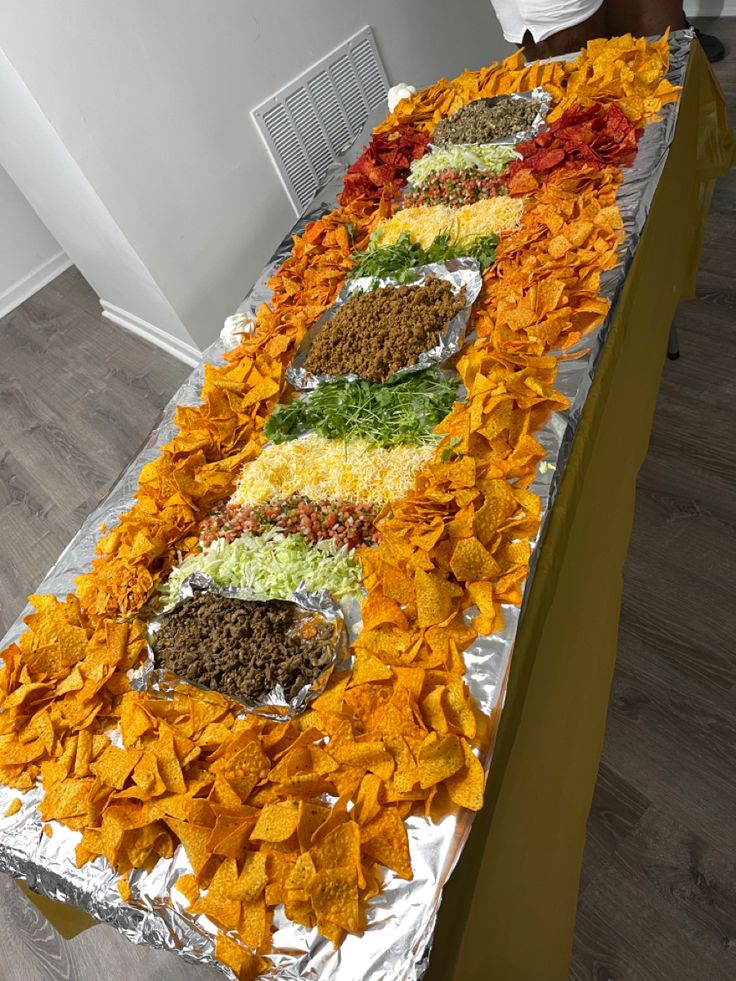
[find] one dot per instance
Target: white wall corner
(41, 165)
(33, 281)
(187, 353)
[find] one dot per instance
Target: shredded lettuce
(490, 157)
(271, 565)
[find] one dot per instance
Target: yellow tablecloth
(508, 911)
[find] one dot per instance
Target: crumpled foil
(396, 945)
(540, 95)
(460, 273)
(274, 704)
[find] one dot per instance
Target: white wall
(29, 255)
(58, 189)
(152, 100)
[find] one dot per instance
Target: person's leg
(564, 42)
(712, 45)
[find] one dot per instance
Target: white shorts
(542, 18)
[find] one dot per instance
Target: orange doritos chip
(334, 895)
(194, 840)
(115, 765)
(244, 965)
(277, 822)
(169, 767)
(66, 800)
(459, 710)
(218, 903)
(252, 879)
(384, 839)
(300, 879)
(340, 849)
(367, 667)
(465, 786)
(371, 755)
(134, 720)
(230, 833)
(367, 804)
(123, 887)
(187, 886)
(433, 710)
(83, 754)
(439, 758)
(14, 806)
(146, 776)
(311, 816)
(434, 597)
(471, 561)
(254, 924)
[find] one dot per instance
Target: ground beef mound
(376, 334)
(244, 648)
(481, 122)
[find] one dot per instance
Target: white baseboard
(33, 281)
(185, 352)
(710, 8)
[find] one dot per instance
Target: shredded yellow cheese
(489, 216)
(325, 468)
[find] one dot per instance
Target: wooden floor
(658, 893)
(78, 396)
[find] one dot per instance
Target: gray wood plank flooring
(658, 891)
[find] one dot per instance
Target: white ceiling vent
(308, 122)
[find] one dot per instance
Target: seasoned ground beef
(481, 122)
(244, 648)
(376, 334)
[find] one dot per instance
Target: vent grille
(308, 122)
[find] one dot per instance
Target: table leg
(673, 344)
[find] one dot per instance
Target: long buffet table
(508, 909)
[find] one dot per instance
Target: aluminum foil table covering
(401, 920)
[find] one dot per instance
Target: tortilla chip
(465, 786)
(384, 839)
(439, 758)
(244, 965)
(334, 894)
(14, 806)
(252, 879)
(277, 822)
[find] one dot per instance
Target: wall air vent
(308, 122)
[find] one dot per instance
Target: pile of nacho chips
(542, 292)
(591, 138)
(626, 71)
(308, 814)
(382, 168)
